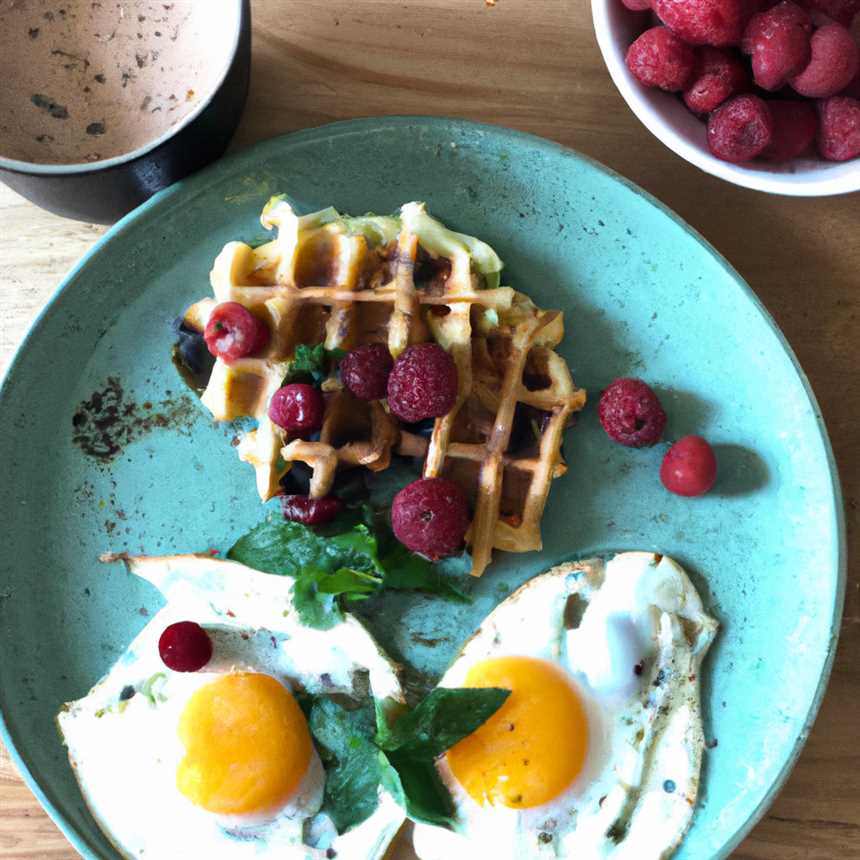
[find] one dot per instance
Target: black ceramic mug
(106, 104)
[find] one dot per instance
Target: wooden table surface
(534, 65)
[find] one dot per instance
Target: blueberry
(297, 481)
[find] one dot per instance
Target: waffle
(399, 280)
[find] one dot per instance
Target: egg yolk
(534, 746)
(247, 745)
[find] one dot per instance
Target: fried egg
(220, 763)
(597, 751)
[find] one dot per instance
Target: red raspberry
(833, 65)
(185, 647)
(704, 22)
(739, 129)
(234, 332)
(631, 413)
(430, 516)
(365, 370)
(658, 58)
(689, 467)
(719, 75)
(297, 407)
(795, 125)
(637, 5)
(778, 42)
(423, 383)
(309, 511)
(839, 137)
(841, 11)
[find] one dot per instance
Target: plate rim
(334, 129)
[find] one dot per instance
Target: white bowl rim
(655, 122)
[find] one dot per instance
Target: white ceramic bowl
(665, 116)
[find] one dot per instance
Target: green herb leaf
(404, 571)
(415, 784)
(445, 717)
(353, 763)
(312, 362)
(315, 608)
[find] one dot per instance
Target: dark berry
(234, 332)
(430, 516)
(689, 467)
(778, 42)
(719, 74)
(637, 5)
(311, 512)
(834, 63)
(704, 22)
(658, 58)
(839, 136)
(795, 125)
(422, 384)
(631, 413)
(365, 370)
(298, 408)
(842, 11)
(185, 646)
(740, 129)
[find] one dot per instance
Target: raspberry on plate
(631, 414)
(365, 370)
(719, 74)
(839, 136)
(658, 58)
(795, 125)
(233, 332)
(778, 42)
(740, 129)
(310, 511)
(833, 65)
(704, 22)
(430, 516)
(422, 383)
(689, 467)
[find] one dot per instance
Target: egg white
(631, 634)
(124, 750)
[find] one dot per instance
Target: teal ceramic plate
(642, 295)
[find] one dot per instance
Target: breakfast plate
(105, 448)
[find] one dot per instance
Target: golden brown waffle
(350, 281)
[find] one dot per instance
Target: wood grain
(534, 65)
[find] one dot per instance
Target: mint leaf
(445, 717)
(419, 789)
(404, 570)
(284, 547)
(353, 767)
(312, 363)
(315, 608)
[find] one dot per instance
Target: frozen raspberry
(422, 383)
(234, 332)
(778, 42)
(795, 125)
(631, 413)
(704, 22)
(309, 511)
(841, 11)
(365, 370)
(637, 5)
(658, 58)
(430, 516)
(719, 74)
(833, 65)
(739, 129)
(689, 467)
(185, 647)
(839, 137)
(297, 407)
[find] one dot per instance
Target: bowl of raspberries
(762, 93)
